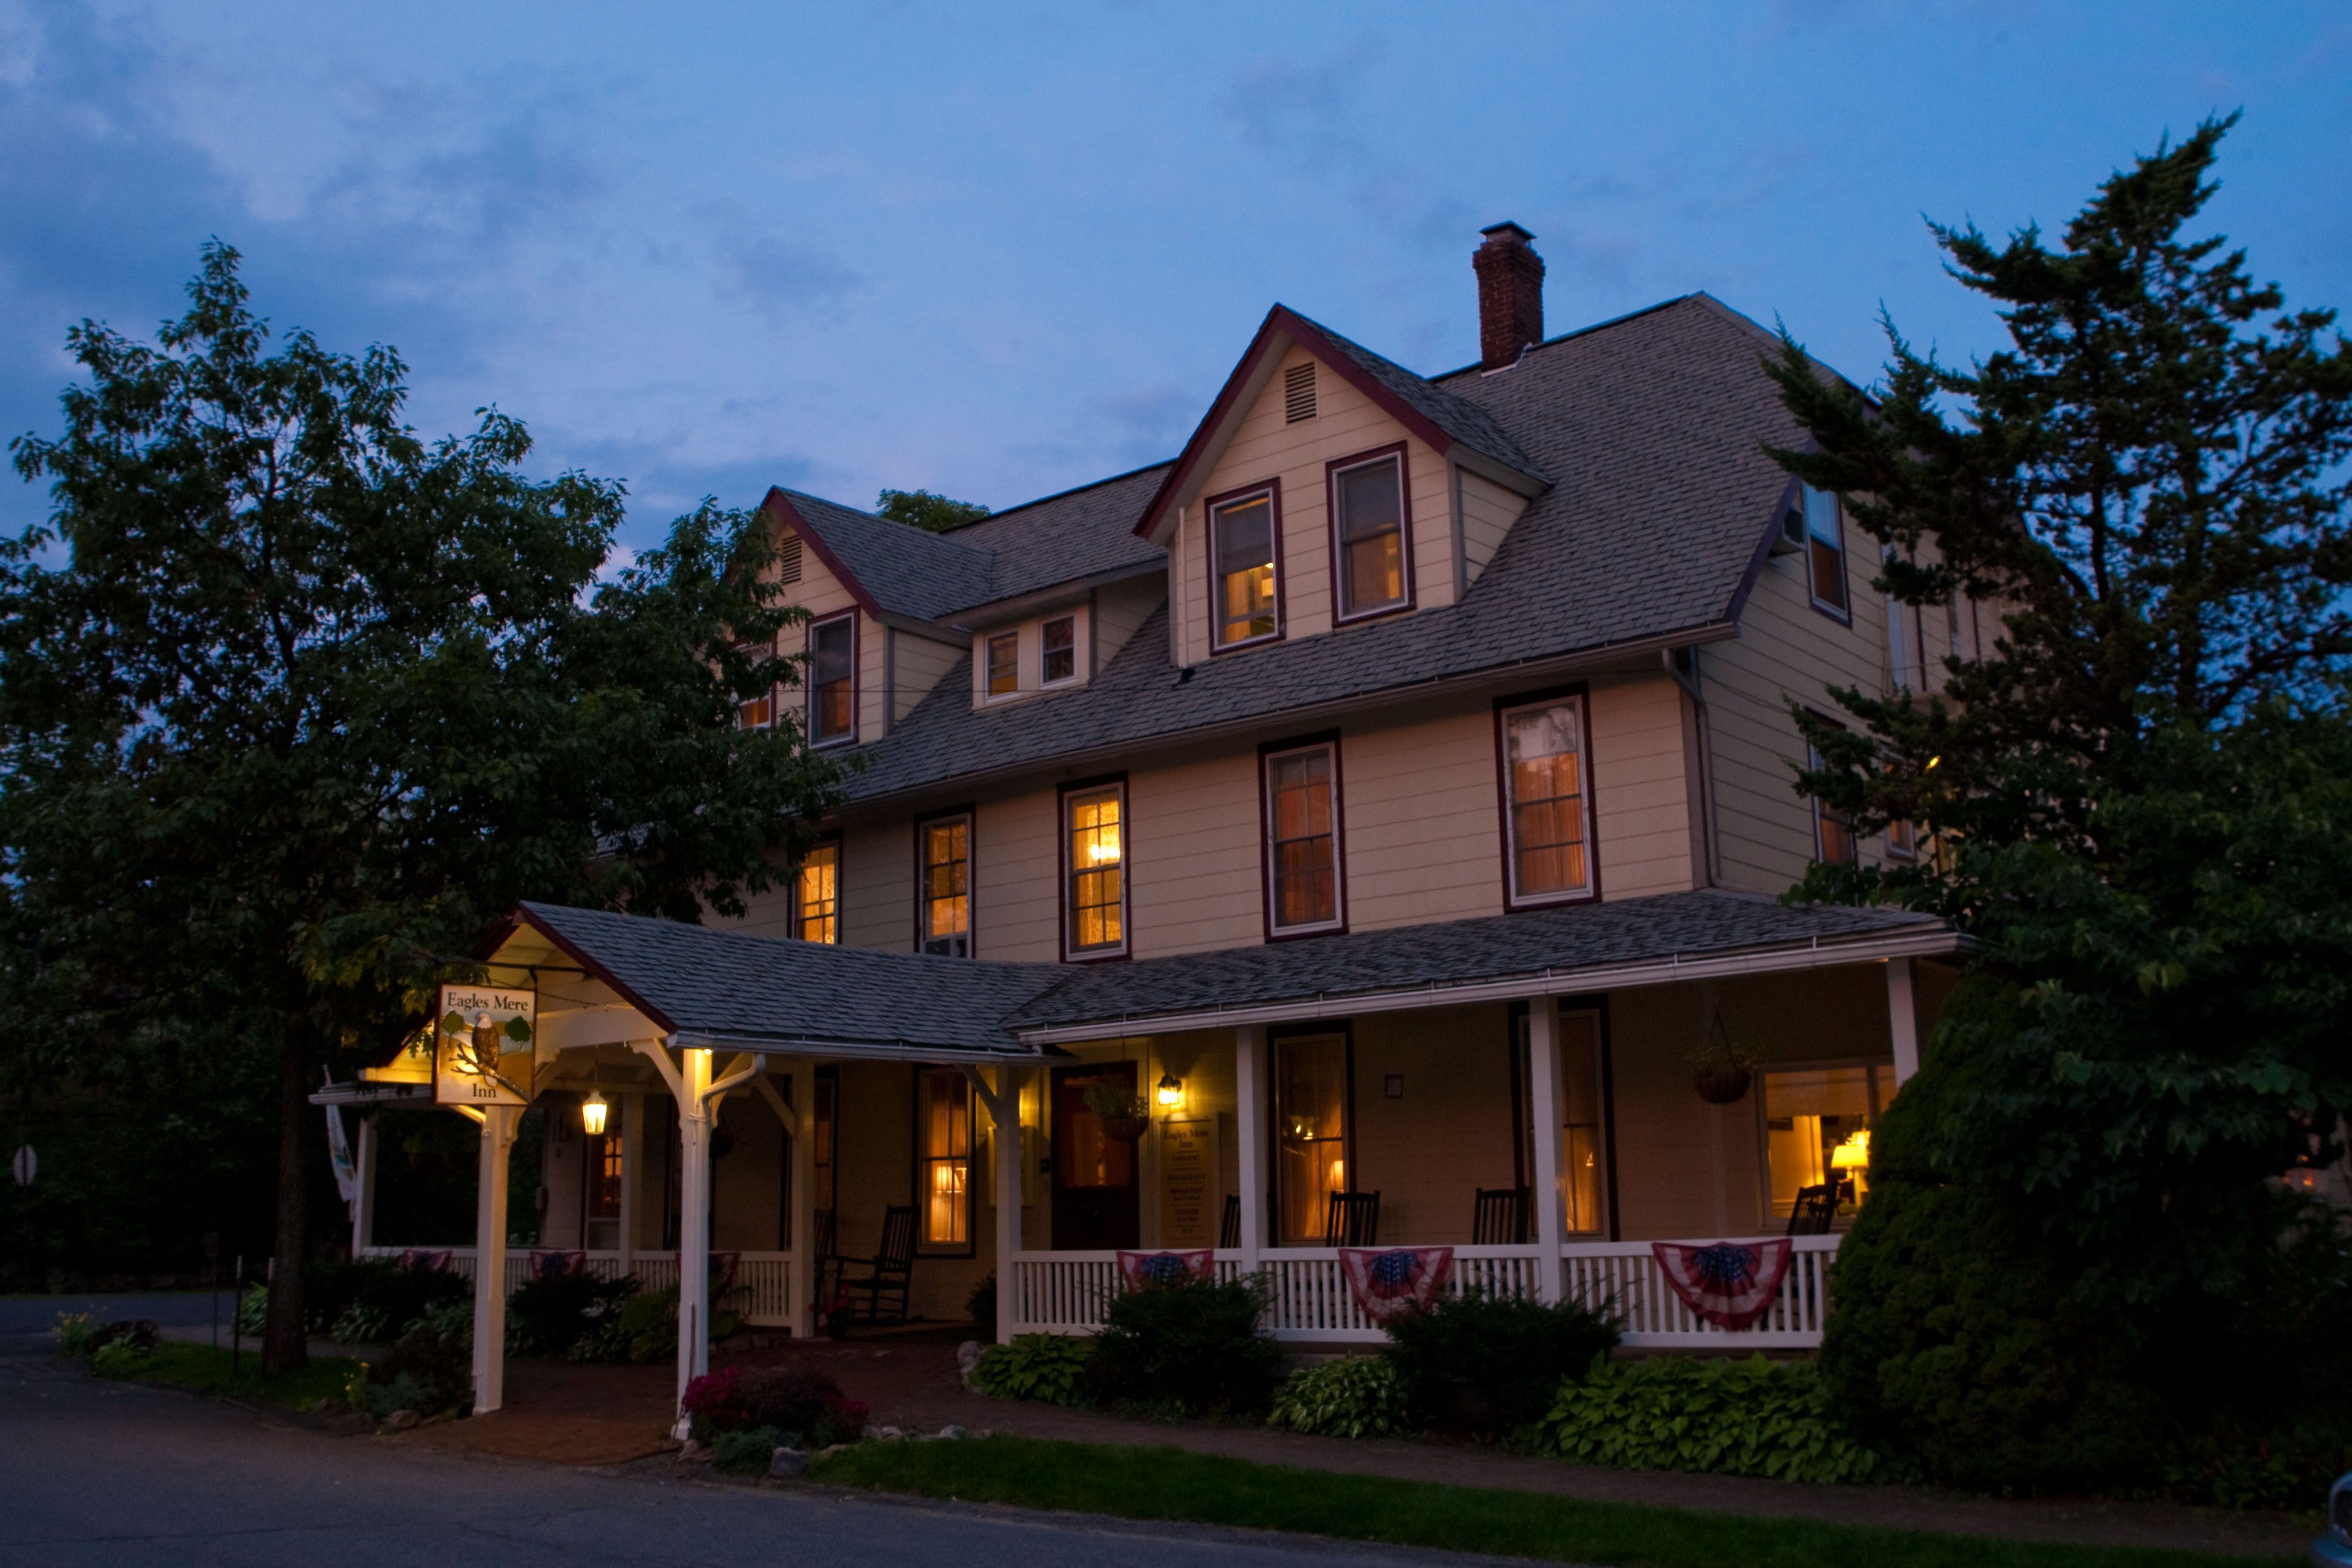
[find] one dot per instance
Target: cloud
(1152, 424)
(780, 278)
(1307, 112)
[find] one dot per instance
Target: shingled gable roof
(892, 568)
(1660, 513)
(1437, 416)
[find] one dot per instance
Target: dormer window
(1004, 664)
(1061, 662)
(1242, 559)
(833, 680)
(1368, 527)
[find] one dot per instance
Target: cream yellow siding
(917, 665)
(1192, 854)
(1447, 1132)
(1487, 512)
(1418, 809)
(1638, 770)
(878, 885)
(1015, 878)
(1119, 608)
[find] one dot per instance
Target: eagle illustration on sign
(482, 1046)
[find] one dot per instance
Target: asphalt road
(113, 1475)
(25, 1321)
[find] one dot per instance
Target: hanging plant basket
(1722, 1086)
(1124, 1129)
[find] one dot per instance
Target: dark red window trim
(1266, 837)
(971, 815)
(832, 841)
(1209, 505)
(1398, 450)
(1512, 903)
(1126, 869)
(969, 1245)
(1275, 1035)
(851, 616)
(1844, 616)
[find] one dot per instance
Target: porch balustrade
(1064, 1292)
(768, 1276)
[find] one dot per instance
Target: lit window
(1825, 550)
(1543, 771)
(1096, 870)
(1303, 839)
(1581, 1152)
(1901, 839)
(947, 886)
(1368, 514)
(1061, 650)
(1240, 536)
(1310, 1112)
(833, 689)
(1809, 1115)
(760, 711)
(943, 1156)
(1003, 664)
(815, 893)
(1832, 828)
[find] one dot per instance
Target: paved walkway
(591, 1415)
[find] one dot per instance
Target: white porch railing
(1063, 1292)
(768, 1276)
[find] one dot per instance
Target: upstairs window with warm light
(1094, 871)
(946, 892)
(817, 895)
(1242, 565)
(1368, 517)
(833, 680)
(1302, 851)
(1004, 664)
(943, 1158)
(1061, 659)
(1547, 820)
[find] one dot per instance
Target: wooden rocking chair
(1500, 1217)
(1816, 1207)
(1353, 1219)
(890, 1271)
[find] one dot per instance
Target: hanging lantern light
(592, 1114)
(1171, 1092)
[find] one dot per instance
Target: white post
(363, 1211)
(693, 1217)
(490, 1259)
(1249, 1095)
(1544, 1121)
(1006, 1114)
(805, 1261)
(633, 1155)
(1902, 1018)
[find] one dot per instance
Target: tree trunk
(284, 1346)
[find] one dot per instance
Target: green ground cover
(201, 1369)
(1171, 1484)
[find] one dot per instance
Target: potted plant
(1125, 1115)
(1721, 1068)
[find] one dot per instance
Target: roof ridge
(1478, 366)
(1057, 495)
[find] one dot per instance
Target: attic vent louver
(788, 559)
(1298, 393)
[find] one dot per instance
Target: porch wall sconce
(1170, 1094)
(592, 1114)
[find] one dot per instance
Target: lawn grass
(201, 1369)
(1172, 1484)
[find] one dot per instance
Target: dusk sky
(999, 250)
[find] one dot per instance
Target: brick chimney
(1511, 295)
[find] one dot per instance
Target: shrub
(548, 1316)
(982, 1304)
(714, 1405)
(1488, 1362)
(644, 1329)
(430, 1367)
(839, 1421)
(115, 1358)
(1749, 1417)
(746, 1453)
(1196, 1345)
(1051, 1368)
(790, 1399)
(380, 1300)
(74, 1332)
(1354, 1397)
(132, 1333)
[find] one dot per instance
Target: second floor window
(947, 886)
(1003, 664)
(1061, 636)
(833, 680)
(1825, 552)
(1833, 842)
(1240, 552)
(1302, 825)
(816, 895)
(1544, 785)
(1368, 523)
(1096, 871)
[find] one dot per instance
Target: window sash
(1242, 545)
(1311, 1132)
(1003, 664)
(946, 892)
(1094, 829)
(1368, 512)
(1833, 840)
(1547, 825)
(816, 893)
(943, 1158)
(1825, 549)
(1303, 838)
(833, 697)
(1060, 638)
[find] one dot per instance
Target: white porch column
(693, 1217)
(1903, 1018)
(1006, 1111)
(633, 1155)
(363, 1211)
(1544, 1118)
(1249, 1095)
(805, 1261)
(490, 1259)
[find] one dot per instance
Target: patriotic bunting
(1141, 1270)
(1390, 1281)
(1729, 1283)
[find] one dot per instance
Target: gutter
(1814, 954)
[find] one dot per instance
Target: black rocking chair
(826, 1261)
(1353, 1219)
(1229, 1231)
(1500, 1218)
(1816, 1207)
(889, 1271)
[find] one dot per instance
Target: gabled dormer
(1328, 488)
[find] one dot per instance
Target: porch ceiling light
(592, 1114)
(1171, 1092)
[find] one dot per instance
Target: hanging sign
(482, 1046)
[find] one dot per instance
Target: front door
(1095, 1196)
